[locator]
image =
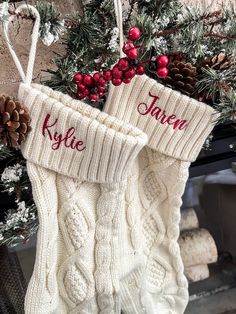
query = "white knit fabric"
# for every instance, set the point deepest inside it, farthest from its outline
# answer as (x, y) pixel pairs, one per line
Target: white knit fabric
(177, 127)
(80, 200)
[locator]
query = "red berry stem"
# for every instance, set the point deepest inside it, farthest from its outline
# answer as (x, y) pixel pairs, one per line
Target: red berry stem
(94, 86)
(145, 61)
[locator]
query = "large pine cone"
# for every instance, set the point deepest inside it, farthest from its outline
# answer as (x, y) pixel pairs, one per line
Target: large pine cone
(14, 122)
(182, 76)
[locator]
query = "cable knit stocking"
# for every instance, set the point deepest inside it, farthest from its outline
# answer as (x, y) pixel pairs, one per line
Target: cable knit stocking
(78, 159)
(177, 127)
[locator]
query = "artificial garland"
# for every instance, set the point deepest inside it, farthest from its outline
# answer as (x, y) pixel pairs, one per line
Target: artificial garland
(187, 49)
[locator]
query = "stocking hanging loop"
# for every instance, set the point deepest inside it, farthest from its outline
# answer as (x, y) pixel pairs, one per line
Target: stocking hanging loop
(27, 79)
(119, 23)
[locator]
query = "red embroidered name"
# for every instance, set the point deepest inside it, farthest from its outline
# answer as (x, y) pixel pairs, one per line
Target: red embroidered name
(68, 139)
(161, 114)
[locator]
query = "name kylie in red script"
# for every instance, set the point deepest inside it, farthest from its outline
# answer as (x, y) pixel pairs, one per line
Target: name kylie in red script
(160, 114)
(68, 140)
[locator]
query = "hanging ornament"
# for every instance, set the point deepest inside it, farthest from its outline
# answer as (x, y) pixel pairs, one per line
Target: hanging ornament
(14, 122)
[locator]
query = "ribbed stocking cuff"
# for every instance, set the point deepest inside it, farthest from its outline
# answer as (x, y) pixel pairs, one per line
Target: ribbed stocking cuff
(176, 124)
(76, 140)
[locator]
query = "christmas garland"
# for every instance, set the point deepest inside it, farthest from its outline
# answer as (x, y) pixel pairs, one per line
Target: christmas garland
(187, 49)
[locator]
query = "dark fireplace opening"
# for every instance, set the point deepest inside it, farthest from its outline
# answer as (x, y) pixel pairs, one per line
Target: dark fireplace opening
(208, 242)
(209, 211)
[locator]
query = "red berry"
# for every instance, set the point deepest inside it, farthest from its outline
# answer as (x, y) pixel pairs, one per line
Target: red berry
(126, 80)
(116, 82)
(78, 77)
(162, 60)
(102, 82)
(107, 75)
(80, 95)
(134, 33)
(116, 73)
(162, 72)
(123, 64)
(132, 53)
(93, 97)
(88, 80)
(96, 77)
(130, 73)
(140, 70)
(102, 89)
(81, 87)
(86, 92)
(127, 46)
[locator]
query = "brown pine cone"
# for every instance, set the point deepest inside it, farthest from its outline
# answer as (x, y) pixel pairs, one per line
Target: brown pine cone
(218, 62)
(14, 121)
(182, 76)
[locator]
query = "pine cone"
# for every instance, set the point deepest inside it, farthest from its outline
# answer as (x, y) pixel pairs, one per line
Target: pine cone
(14, 121)
(181, 76)
(218, 62)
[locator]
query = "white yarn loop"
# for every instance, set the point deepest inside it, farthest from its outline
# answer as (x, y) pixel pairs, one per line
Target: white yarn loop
(119, 22)
(27, 79)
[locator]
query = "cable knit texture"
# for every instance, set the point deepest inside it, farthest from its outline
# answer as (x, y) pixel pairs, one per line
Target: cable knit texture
(78, 160)
(177, 127)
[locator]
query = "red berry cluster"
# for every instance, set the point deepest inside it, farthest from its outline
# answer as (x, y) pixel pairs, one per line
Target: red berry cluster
(126, 68)
(132, 53)
(94, 86)
(91, 86)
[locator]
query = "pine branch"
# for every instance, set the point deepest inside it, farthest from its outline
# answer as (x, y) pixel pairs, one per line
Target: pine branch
(219, 36)
(6, 152)
(156, 9)
(215, 83)
(177, 28)
(19, 224)
(227, 107)
(68, 23)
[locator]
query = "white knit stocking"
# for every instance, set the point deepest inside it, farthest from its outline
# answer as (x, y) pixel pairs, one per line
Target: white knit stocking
(177, 127)
(78, 160)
